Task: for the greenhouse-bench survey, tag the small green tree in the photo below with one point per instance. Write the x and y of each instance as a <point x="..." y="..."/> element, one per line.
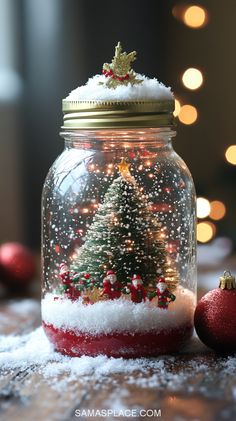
<point x="124" y="236"/>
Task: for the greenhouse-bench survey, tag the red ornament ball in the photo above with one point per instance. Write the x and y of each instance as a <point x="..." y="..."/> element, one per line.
<point x="215" y="316"/>
<point x="17" y="264"/>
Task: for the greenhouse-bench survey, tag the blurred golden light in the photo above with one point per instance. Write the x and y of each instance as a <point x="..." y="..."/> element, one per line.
<point x="195" y="16"/>
<point x="203" y="207"/>
<point x="188" y="114"/>
<point x="192" y="78"/>
<point x="85" y="210"/>
<point x="218" y="210"/>
<point x="205" y="231"/>
<point x="230" y="154"/>
<point x="177" y="108"/>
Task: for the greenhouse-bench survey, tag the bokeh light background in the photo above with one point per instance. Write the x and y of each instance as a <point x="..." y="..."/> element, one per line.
<point x="48" y="47"/>
<point x="210" y="209"/>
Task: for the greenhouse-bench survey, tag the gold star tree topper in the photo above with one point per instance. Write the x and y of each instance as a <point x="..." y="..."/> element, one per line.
<point x="123" y="166"/>
<point x="119" y="71"/>
<point x="124" y="171"/>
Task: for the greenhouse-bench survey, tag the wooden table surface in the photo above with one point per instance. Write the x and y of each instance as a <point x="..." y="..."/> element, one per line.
<point x="205" y="394"/>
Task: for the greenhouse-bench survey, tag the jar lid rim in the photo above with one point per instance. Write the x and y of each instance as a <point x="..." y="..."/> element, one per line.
<point x="117" y="114"/>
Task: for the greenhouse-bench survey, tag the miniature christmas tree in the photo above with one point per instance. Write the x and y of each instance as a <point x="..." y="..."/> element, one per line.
<point x="124" y="236"/>
<point x="171" y="275"/>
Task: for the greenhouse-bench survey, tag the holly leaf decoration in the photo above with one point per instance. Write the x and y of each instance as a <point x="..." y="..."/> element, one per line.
<point x="119" y="71"/>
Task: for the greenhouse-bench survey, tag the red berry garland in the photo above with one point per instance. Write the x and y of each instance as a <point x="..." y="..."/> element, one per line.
<point x="110" y="73"/>
<point x="215" y="316"/>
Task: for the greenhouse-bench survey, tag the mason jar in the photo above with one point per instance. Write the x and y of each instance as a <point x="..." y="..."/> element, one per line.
<point x="118" y="233"/>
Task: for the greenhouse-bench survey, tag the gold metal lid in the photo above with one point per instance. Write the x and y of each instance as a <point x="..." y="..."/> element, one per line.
<point x="117" y="114"/>
<point x="111" y="114"/>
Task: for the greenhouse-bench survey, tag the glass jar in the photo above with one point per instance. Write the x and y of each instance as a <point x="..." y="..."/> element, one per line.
<point x="118" y="246"/>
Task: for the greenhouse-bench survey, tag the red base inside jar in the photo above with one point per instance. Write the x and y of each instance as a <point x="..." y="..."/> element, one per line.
<point x="117" y="345"/>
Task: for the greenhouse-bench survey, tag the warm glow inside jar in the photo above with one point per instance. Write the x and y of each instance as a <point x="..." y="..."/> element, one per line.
<point x="119" y="266"/>
<point x="118" y="244"/>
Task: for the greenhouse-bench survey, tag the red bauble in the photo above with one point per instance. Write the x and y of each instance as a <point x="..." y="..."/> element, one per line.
<point x="215" y="316"/>
<point x="17" y="264"/>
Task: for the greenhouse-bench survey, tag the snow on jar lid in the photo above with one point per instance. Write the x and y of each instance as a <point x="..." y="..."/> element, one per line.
<point x="119" y="98"/>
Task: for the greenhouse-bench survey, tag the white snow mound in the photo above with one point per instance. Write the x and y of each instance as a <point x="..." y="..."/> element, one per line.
<point x="119" y="315"/>
<point x="148" y="90"/>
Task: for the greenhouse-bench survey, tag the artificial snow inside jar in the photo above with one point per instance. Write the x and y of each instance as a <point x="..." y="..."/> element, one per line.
<point x="119" y="266"/>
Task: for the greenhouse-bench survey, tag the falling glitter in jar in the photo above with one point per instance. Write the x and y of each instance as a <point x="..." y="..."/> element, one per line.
<point x="119" y="222"/>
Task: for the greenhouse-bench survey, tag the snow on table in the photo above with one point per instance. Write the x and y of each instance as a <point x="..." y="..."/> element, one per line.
<point x="119" y="315"/>
<point x="34" y="352"/>
<point x="38" y="383"/>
